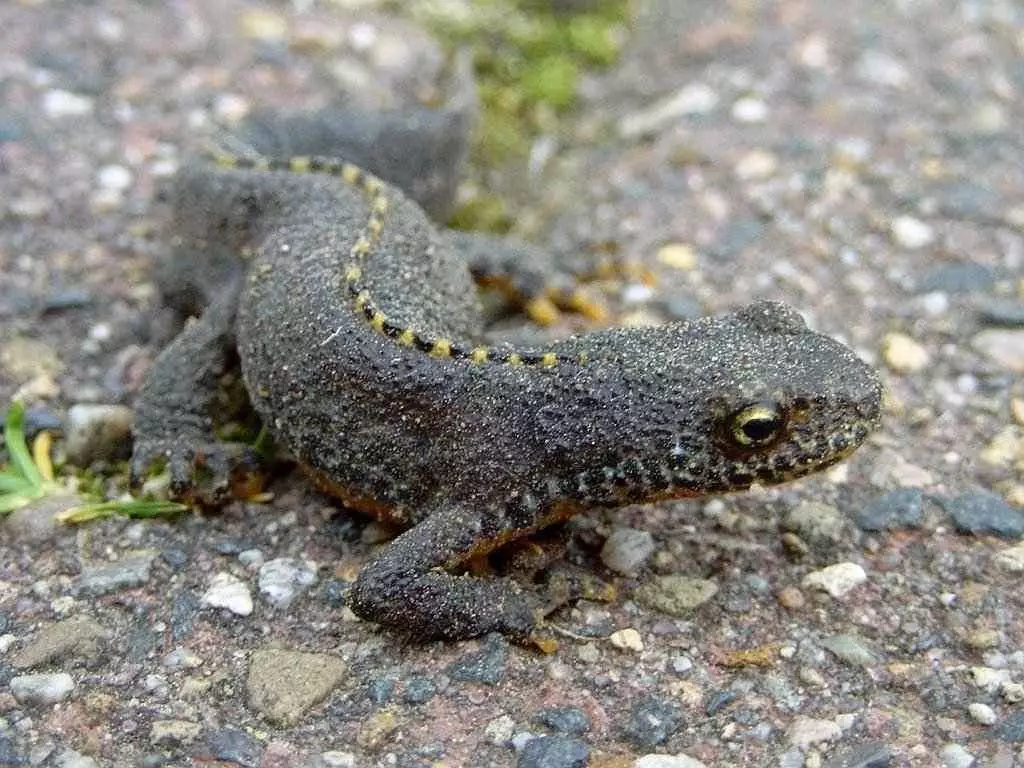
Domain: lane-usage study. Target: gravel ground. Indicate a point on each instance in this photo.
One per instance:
(858, 161)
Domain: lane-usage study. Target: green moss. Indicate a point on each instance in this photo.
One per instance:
(482, 212)
(528, 57)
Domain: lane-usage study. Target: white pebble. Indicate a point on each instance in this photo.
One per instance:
(42, 688)
(837, 580)
(982, 713)
(911, 233)
(749, 110)
(227, 591)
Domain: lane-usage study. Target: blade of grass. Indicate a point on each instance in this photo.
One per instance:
(41, 455)
(142, 510)
(12, 483)
(14, 437)
(9, 503)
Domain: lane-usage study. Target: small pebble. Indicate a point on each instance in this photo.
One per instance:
(283, 579)
(554, 752)
(485, 666)
(59, 104)
(982, 713)
(681, 665)
(851, 649)
(127, 573)
(837, 580)
(808, 731)
(816, 522)
(756, 165)
(749, 110)
(962, 277)
(956, 756)
(679, 256)
(69, 758)
(627, 640)
(1001, 312)
(988, 679)
(676, 595)
(880, 68)
(114, 177)
(626, 550)
(791, 598)
(692, 99)
(230, 592)
(1003, 346)
(335, 759)
(652, 721)
(668, 761)
(174, 732)
(901, 508)
(870, 755)
(911, 233)
(1011, 729)
(42, 689)
(903, 354)
(983, 512)
(567, 720)
(1012, 692)
(499, 730)
(1006, 448)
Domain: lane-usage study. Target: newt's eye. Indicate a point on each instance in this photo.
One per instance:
(757, 425)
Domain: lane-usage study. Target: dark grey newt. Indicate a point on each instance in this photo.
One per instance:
(358, 331)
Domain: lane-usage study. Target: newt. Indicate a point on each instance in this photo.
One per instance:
(356, 324)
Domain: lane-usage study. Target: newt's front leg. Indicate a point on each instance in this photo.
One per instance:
(173, 419)
(411, 585)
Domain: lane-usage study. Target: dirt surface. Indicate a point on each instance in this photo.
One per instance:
(862, 161)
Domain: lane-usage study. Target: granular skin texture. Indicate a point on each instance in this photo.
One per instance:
(357, 327)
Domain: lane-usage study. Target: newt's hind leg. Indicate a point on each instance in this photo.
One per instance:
(415, 584)
(528, 277)
(173, 415)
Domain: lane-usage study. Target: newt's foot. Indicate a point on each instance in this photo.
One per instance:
(208, 474)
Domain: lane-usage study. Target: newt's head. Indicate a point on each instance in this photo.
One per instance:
(726, 402)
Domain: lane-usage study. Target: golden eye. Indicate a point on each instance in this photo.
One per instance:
(757, 425)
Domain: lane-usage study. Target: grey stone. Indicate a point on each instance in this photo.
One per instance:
(42, 688)
(1003, 346)
(956, 756)
(131, 572)
(284, 579)
(735, 237)
(571, 720)
(77, 637)
(71, 759)
(284, 685)
(39, 521)
(901, 508)
(676, 595)
(816, 522)
(626, 550)
(484, 666)
(1003, 312)
(232, 746)
(808, 731)
(872, 755)
(652, 721)
(851, 649)
(668, 761)
(965, 277)
(554, 752)
(984, 512)
(1011, 729)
